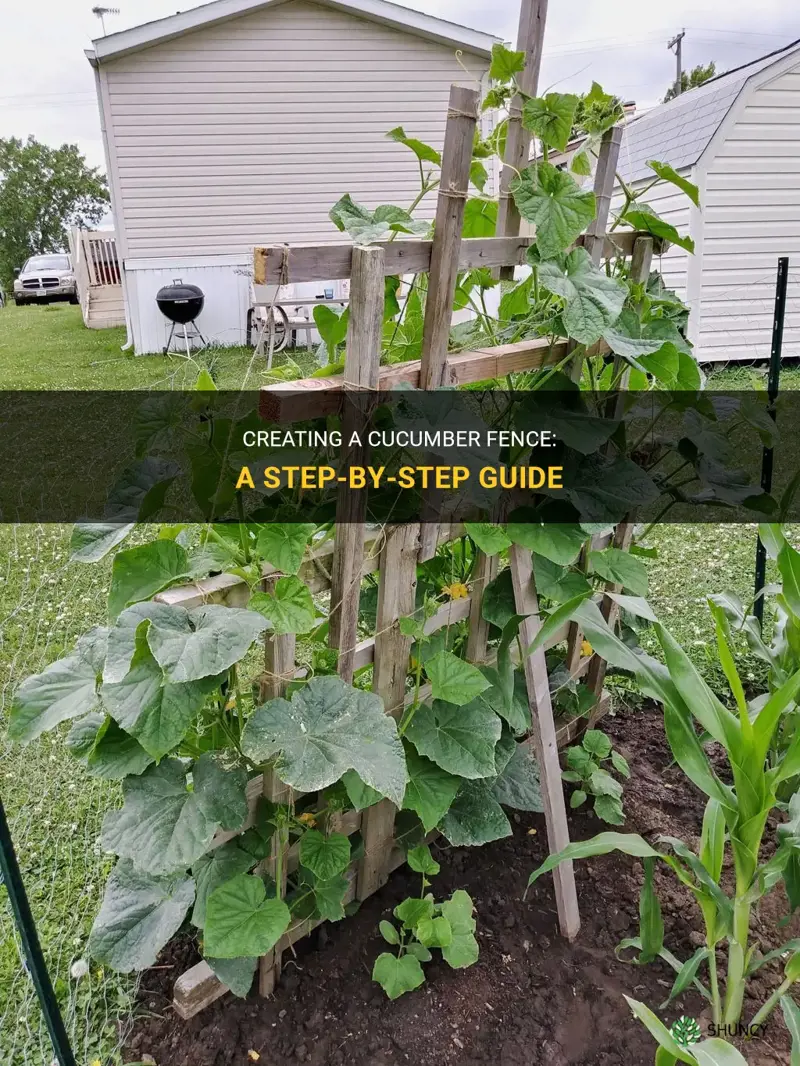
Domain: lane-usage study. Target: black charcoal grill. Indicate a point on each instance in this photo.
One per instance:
(181, 304)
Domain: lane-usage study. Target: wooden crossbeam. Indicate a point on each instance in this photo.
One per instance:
(291, 264)
(296, 401)
(295, 263)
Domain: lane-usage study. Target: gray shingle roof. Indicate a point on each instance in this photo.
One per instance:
(679, 132)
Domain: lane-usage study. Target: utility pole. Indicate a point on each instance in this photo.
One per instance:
(676, 43)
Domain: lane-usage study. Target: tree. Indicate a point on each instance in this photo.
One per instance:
(44, 191)
(691, 79)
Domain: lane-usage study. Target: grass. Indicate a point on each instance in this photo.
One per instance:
(54, 807)
(48, 347)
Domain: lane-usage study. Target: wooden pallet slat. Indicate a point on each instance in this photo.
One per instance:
(544, 739)
(396, 599)
(361, 372)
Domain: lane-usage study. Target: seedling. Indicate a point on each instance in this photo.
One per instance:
(424, 924)
(586, 770)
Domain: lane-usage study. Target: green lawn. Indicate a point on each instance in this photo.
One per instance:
(48, 347)
(54, 807)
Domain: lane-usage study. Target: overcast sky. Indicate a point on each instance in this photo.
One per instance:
(47, 86)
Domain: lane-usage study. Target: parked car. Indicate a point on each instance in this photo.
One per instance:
(44, 278)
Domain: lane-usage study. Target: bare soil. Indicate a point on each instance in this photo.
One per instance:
(533, 999)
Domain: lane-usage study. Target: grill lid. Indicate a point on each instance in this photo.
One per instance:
(179, 293)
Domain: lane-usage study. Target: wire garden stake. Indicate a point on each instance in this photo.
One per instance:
(12, 878)
(773, 387)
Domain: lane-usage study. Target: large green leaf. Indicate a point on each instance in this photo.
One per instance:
(475, 817)
(621, 568)
(121, 640)
(518, 785)
(593, 300)
(516, 300)
(557, 582)
(325, 856)
(506, 63)
(203, 642)
(454, 680)
(602, 844)
(105, 749)
(668, 173)
(642, 217)
(329, 896)
(551, 118)
(236, 974)
(162, 826)
(156, 713)
(397, 976)
(241, 921)
(555, 620)
(64, 690)
(490, 538)
(92, 541)
(460, 740)
(141, 490)
(284, 545)
(328, 728)
(498, 600)
(559, 542)
(554, 202)
(290, 609)
(480, 217)
(463, 949)
(214, 869)
(138, 916)
(430, 790)
(139, 573)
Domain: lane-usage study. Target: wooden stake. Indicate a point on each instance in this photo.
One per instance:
(279, 667)
(361, 374)
(530, 40)
(485, 571)
(604, 181)
(459, 138)
(396, 599)
(544, 738)
(595, 237)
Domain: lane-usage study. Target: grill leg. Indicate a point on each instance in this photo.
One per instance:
(169, 339)
(199, 334)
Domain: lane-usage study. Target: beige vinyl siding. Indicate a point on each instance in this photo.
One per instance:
(751, 216)
(247, 132)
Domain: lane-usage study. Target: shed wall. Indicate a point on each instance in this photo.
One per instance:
(751, 216)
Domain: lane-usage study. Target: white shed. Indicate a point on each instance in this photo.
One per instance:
(738, 138)
(241, 122)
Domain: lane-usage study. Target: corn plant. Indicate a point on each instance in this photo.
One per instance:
(735, 817)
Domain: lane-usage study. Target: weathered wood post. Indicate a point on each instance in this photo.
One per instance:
(361, 375)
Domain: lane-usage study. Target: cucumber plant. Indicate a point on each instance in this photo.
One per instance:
(425, 924)
(585, 769)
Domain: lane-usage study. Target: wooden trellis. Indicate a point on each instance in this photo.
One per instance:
(395, 551)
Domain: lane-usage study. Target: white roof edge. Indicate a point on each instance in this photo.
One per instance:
(117, 44)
